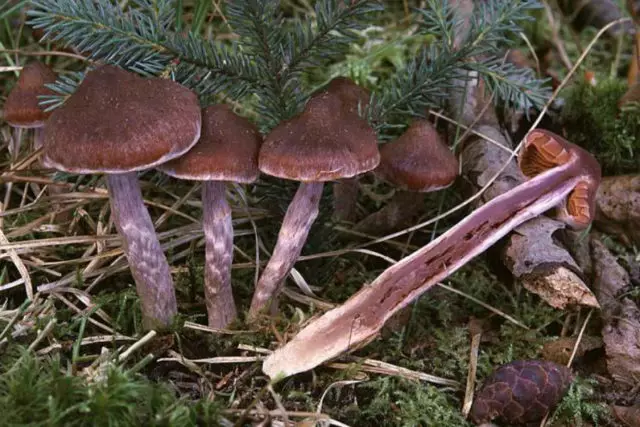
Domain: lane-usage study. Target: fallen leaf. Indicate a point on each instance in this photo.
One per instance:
(629, 416)
(618, 207)
(560, 349)
(544, 267)
(621, 317)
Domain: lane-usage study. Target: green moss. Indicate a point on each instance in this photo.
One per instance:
(39, 392)
(578, 407)
(398, 402)
(592, 119)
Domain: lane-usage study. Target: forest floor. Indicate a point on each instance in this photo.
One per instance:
(76, 353)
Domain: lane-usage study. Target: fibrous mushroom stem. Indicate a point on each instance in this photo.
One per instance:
(147, 261)
(38, 137)
(402, 207)
(218, 233)
(345, 199)
(302, 212)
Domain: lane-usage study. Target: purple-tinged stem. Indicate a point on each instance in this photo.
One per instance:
(147, 261)
(38, 137)
(360, 318)
(301, 213)
(345, 199)
(218, 233)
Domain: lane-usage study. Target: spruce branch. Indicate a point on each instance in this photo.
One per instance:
(336, 31)
(425, 81)
(139, 39)
(517, 87)
(422, 84)
(283, 52)
(260, 24)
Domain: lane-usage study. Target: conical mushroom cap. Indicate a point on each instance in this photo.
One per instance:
(226, 151)
(326, 142)
(119, 122)
(22, 107)
(351, 94)
(418, 160)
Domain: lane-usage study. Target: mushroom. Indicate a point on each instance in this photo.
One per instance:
(22, 108)
(345, 191)
(227, 151)
(118, 123)
(417, 162)
(326, 142)
(561, 174)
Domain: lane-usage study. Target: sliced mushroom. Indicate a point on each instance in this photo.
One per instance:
(560, 172)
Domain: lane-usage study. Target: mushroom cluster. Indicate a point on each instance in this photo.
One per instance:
(118, 123)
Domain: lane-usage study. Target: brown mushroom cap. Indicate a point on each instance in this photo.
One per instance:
(324, 143)
(418, 160)
(22, 107)
(351, 94)
(118, 122)
(226, 151)
(544, 150)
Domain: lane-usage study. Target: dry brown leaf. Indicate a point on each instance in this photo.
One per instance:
(544, 267)
(621, 317)
(560, 349)
(618, 207)
(629, 416)
(631, 95)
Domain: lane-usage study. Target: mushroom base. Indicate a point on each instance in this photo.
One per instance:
(147, 261)
(302, 212)
(218, 232)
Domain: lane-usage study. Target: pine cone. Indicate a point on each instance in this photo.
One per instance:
(521, 392)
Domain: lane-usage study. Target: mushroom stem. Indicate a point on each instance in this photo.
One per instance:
(403, 206)
(358, 320)
(218, 233)
(345, 199)
(38, 137)
(147, 261)
(302, 212)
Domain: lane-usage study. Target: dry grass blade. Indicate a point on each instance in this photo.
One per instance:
(22, 269)
(137, 345)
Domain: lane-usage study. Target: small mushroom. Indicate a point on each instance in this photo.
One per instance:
(521, 392)
(417, 162)
(118, 123)
(326, 142)
(560, 171)
(345, 191)
(22, 108)
(227, 151)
